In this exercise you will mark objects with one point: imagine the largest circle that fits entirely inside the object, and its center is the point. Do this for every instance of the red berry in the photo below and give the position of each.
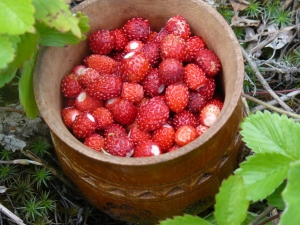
(217, 102)
(103, 117)
(176, 97)
(152, 114)
(70, 86)
(68, 115)
(151, 83)
(179, 26)
(138, 136)
(102, 63)
(118, 146)
(86, 103)
(184, 118)
(133, 46)
(208, 62)
(160, 35)
(124, 112)
(173, 148)
(151, 36)
(87, 76)
(115, 129)
(84, 125)
(68, 102)
(208, 90)
(132, 92)
(164, 137)
(109, 104)
(196, 102)
(185, 134)
(95, 141)
(172, 46)
(105, 87)
(170, 71)
(209, 115)
(201, 129)
(78, 70)
(194, 76)
(193, 45)
(146, 149)
(134, 67)
(151, 51)
(137, 29)
(120, 39)
(101, 42)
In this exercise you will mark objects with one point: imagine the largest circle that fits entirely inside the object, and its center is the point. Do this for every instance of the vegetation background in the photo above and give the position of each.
(33, 189)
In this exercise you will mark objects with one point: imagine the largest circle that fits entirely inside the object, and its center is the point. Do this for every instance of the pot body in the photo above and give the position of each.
(147, 190)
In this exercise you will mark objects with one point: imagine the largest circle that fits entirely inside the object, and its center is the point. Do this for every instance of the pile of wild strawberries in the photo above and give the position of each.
(140, 92)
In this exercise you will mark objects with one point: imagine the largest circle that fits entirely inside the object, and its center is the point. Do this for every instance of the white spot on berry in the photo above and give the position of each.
(91, 118)
(155, 150)
(81, 97)
(129, 55)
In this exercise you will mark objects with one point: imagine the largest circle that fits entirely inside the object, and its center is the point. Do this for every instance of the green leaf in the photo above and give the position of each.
(53, 37)
(16, 17)
(263, 173)
(6, 76)
(185, 219)
(275, 199)
(26, 93)
(7, 51)
(231, 202)
(56, 14)
(291, 196)
(266, 132)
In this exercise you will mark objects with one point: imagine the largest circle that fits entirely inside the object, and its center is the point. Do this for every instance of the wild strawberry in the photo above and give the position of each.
(77, 70)
(124, 112)
(87, 76)
(134, 67)
(151, 36)
(86, 103)
(208, 62)
(137, 29)
(185, 134)
(170, 71)
(209, 114)
(102, 63)
(179, 26)
(194, 76)
(146, 149)
(105, 87)
(151, 83)
(103, 117)
(84, 125)
(68, 115)
(68, 102)
(201, 129)
(118, 146)
(208, 90)
(196, 102)
(152, 114)
(138, 136)
(193, 45)
(109, 104)
(184, 118)
(133, 46)
(172, 46)
(70, 87)
(95, 141)
(176, 97)
(151, 51)
(216, 101)
(115, 129)
(132, 92)
(164, 137)
(118, 56)
(173, 148)
(101, 42)
(160, 35)
(120, 39)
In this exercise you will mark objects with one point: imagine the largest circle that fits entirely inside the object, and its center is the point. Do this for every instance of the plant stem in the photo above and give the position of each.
(262, 215)
(270, 219)
(12, 110)
(271, 107)
(11, 215)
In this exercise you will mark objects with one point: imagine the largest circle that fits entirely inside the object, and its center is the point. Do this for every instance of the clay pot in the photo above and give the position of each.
(146, 190)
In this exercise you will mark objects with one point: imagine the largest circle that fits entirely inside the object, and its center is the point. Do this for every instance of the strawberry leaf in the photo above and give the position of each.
(17, 17)
(57, 15)
(266, 132)
(26, 90)
(291, 196)
(275, 199)
(185, 219)
(7, 51)
(231, 202)
(7, 76)
(263, 172)
(53, 37)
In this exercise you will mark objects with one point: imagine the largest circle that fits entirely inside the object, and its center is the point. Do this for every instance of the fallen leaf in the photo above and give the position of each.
(239, 5)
